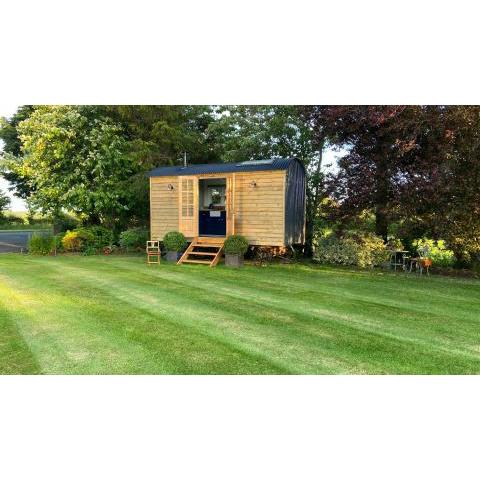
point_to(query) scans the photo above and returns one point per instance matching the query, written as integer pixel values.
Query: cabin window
(187, 198)
(216, 195)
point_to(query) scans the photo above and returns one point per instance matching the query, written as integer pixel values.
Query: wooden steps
(203, 247)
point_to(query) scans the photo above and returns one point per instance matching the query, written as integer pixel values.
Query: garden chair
(153, 251)
(422, 261)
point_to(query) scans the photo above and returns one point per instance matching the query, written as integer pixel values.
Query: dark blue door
(212, 222)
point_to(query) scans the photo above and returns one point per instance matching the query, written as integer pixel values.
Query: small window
(216, 195)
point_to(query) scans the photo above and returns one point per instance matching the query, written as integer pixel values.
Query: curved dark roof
(206, 168)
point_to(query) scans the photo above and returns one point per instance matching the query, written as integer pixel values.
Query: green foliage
(134, 238)
(10, 220)
(63, 222)
(89, 250)
(160, 134)
(174, 241)
(75, 159)
(77, 240)
(41, 244)
(102, 236)
(58, 242)
(395, 244)
(86, 239)
(440, 255)
(261, 131)
(236, 245)
(12, 151)
(361, 250)
(4, 202)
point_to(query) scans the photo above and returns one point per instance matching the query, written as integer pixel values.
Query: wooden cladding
(255, 205)
(260, 207)
(163, 206)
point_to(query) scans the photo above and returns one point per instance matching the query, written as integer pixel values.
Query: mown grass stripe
(278, 319)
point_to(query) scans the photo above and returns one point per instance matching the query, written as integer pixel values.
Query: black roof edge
(275, 163)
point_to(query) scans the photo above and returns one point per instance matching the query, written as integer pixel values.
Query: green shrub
(91, 238)
(77, 240)
(41, 244)
(63, 222)
(134, 238)
(174, 242)
(236, 245)
(438, 252)
(89, 250)
(102, 236)
(58, 242)
(361, 250)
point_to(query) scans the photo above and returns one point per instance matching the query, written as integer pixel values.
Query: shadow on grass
(15, 355)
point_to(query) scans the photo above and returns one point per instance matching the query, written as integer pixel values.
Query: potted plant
(174, 243)
(235, 248)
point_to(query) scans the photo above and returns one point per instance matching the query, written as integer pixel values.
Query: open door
(188, 207)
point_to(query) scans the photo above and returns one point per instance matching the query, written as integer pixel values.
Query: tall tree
(390, 148)
(417, 165)
(161, 134)
(12, 150)
(453, 199)
(75, 159)
(258, 132)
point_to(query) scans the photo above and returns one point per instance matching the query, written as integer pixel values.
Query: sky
(17, 204)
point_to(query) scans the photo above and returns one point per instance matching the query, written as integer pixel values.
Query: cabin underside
(251, 204)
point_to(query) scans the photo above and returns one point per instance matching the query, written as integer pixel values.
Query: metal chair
(422, 261)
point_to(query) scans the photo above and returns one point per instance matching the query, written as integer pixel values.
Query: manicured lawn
(117, 315)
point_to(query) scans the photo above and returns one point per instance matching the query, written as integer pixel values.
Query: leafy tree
(415, 165)
(160, 134)
(258, 132)
(75, 159)
(391, 151)
(12, 150)
(454, 197)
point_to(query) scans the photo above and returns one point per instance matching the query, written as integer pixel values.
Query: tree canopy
(74, 158)
(12, 147)
(416, 166)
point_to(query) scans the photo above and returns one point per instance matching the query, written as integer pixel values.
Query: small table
(398, 258)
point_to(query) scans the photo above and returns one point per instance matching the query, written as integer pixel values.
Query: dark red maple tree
(392, 153)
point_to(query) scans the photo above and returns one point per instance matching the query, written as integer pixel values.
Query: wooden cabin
(262, 200)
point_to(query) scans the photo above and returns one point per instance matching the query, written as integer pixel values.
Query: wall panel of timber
(163, 206)
(260, 210)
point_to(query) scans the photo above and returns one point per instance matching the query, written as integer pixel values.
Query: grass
(88, 315)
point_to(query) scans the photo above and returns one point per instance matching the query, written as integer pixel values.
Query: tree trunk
(314, 195)
(309, 232)
(381, 196)
(381, 222)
